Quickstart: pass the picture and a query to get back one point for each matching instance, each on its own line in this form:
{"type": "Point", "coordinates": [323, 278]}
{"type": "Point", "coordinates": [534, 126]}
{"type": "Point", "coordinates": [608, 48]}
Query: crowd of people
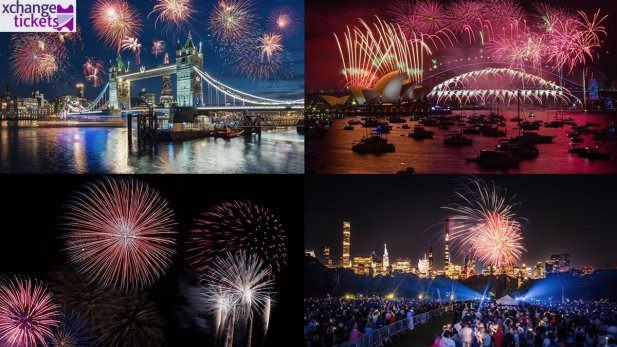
{"type": "Point", "coordinates": [330, 321]}
{"type": "Point", "coordinates": [539, 324]}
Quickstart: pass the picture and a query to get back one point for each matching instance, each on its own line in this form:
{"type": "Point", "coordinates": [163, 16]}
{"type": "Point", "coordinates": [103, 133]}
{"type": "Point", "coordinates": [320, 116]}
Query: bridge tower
{"type": "Point", "coordinates": [189, 85]}
{"type": "Point", "coordinates": [119, 91]}
{"type": "Point", "coordinates": [167, 96]}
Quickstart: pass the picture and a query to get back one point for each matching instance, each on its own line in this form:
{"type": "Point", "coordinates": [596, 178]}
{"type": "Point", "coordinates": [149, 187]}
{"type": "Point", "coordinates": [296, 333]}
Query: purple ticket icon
{"type": "Point", "coordinates": [66, 18]}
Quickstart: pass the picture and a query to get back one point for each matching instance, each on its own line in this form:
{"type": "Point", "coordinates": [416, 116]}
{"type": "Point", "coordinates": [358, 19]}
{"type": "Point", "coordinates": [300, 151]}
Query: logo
{"type": "Point", "coordinates": [38, 15]}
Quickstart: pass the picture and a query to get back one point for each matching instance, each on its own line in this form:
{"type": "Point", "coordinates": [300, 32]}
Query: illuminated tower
{"type": "Point", "coordinates": [119, 90]}
{"type": "Point", "coordinates": [80, 90]}
{"type": "Point", "coordinates": [189, 88]}
{"type": "Point", "coordinates": [385, 260]}
{"type": "Point", "coordinates": [346, 244]}
{"type": "Point", "coordinates": [167, 95]}
{"type": "Point", "coordinates": [446, 264]}
{"type": "Point", "coordinates": [326, 256]}
{"type": "Point", "coordinates": [431, 272]}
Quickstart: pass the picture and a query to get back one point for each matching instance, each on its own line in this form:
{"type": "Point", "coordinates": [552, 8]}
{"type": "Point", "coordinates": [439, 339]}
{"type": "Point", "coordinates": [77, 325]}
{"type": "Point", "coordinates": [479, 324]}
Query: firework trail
{"type": "Point", "coordinates": [283, 21]}
{"type": "Point", "coordinates": [175, 14]}
{"type": "Point", "coordinates": [232, 20]}
{"type": "Point", "coordinates": [221, 304]}
{"type": "Point", "coordinates": [120, 233]}
{"type": "Point", "coordinates": [482, 217]}
{"type": "Point", "coordinates": [132, 44]}
{"type": "Point", "coordinates": [37, 58]}
{"type": "Point", "coordinates": [73, 331]}
{"type": "Point", "coordinates": [270, 46]}
{"type": "Point", "coordinates": [234, 226]}
{"type": "Point", "coordinates": [468, 18]}
{"type": "Point", "coordinates": [369, 52]}
{"type": "Point", "coordinates": [93, 69]}
{"type": "Point", "coordinates": [115, 20]}
{"type": "Point", "coordinates": [158, 47]}
{"type": "Point", "coordinates": [27, 313]}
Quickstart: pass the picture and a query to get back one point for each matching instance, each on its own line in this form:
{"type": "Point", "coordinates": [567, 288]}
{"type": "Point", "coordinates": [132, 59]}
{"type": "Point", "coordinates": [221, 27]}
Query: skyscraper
{"type": "Point", "coordinates": [326, 256]}
{"type": "Point", "coordinates": [446, 264]}
{"type": "Point", "coordinates": [167, 96]}
{"type": "Point", "coordinates": [386, 261]}
{"type": "Point", "coordinates": [346, 244]}
{"type": "Point", "coordinates": [431, 271]}
{"type": "Point", "coordinates": [423, 267]}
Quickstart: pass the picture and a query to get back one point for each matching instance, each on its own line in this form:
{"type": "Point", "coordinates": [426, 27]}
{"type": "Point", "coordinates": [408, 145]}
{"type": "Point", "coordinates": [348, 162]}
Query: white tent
{"type": "Point", "coordinates": [507, 301]}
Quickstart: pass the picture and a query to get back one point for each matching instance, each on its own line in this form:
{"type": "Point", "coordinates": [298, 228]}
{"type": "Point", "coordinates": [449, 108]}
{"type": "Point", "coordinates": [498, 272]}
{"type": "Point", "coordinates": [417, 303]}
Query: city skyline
{"type": "Point", "coordinates": [554, 233]}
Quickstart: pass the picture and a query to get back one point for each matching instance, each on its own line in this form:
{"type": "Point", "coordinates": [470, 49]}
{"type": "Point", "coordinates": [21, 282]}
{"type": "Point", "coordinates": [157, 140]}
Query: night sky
{"type": "Point", "coordinates": [33, 247]}
{"type": "Point", "coordinates": [290, 89]}
{"type": "Point", "coordinates": [566, 214]}
{"type": "Point", "coordinates": [324, 18]}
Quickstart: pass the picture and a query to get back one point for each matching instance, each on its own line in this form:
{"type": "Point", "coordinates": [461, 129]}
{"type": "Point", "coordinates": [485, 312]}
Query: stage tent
{"type": "Point", "coordinates": [507, 301]}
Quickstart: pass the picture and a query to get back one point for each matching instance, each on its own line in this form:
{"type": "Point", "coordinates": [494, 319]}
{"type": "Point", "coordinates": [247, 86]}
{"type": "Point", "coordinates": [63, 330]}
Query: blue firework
{"type": "Point", "coordinates": [74, 331]}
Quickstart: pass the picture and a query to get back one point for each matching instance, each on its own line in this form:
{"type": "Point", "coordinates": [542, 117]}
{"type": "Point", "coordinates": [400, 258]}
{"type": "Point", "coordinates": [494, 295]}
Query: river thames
{"type": "Point", "coordinates": [29, 148]}
{"type": "Point", "coordinates": [332, 154]}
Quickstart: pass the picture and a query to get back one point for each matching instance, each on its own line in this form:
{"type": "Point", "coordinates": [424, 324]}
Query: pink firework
{"type": "Point", "coordinates": [158, 47]}
{"type": "Point", "coordinates": [232, 20]}
{"type": "Point", "coordinates": [174, 13]}
{"type": "Point", "coordinates": [120, 233]}
{"type": "Point", "coordinates": [270, 46]}
{"type": "Point", "coordinates": [503, 14]}
{"type": "Point", "coordinates": [93, 69]}
{"type": "Point", "coordinates": [428, 19]}
{"type": "Point", "coordinates": [27, 314]}
{"type": "Point", "coordinates": [37, 57]}
{"type": "Point", "coordinates": [115, 20]}
{"type": "Point", "coordinates": [283, 21]}
{"type": "Point", "coordinates": [498, 241]}
{"type": "Point", "coordinates": [132, 44]}
{"type": "Point", "coordinates": [518, 47]}
{"type": "Point", "coordinates": [469, 19]}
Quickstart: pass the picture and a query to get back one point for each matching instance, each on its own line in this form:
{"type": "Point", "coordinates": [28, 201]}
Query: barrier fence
{"type": "Point", "coordinates": [383, 335]}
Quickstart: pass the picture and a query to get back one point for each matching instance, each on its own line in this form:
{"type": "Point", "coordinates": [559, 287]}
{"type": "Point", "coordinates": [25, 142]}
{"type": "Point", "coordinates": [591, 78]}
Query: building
{"type": "Point", "coordinates": [423, 267]}
{"type": "Point", "coordinates": [558, 263]}
{"type": "Point", "coordinates": [148, 99]}
{"type": "Point", "coordinates": [189, 84]}
{"type": "Point", "coordinates": [327, 261]}
{"type": "Point", "coordinates": [431, 269]}
{"type": "Point", "coordinates": [80, 90]}
{"type": "Point", "coordinates": [167, 94]}
{"type": "Point", "coordinates": [8, 105]}
{"type": "Point", "coordinates": [539, 270]}
{"type": "Point", "coordinates": [446, 263]}
{"type": "Point", "coordinates": [469, 268]}
{"type": "Point", "coordinates": [346, 263]}
{"type": "Point", "coordinates": [309, 253]}
{"type": "Point", "coordinates": [401, 266]}
{"type": "Point", "coordinates": [363, 266]}
{"type": "Point", "coordinates": [587, 270]}
{"type": "Point", "coordinates": [386, 260]}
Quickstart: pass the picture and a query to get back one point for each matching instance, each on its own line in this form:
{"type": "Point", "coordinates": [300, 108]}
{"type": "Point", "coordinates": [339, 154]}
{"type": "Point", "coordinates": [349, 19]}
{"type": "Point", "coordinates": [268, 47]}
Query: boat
{"type": "Point", "coordinates": [576, 139]}
{"type": "Point", "coordinates": [575, 149]}
{"type": "Point", "coordinates": [444, 126]}
{"type": "Point", "coordinates": [405, 126]}
{"type": "Point", "coordinates": [348, 127]}
{"type": "Point", "coordinates": [382, 129]}
{"type": "Point", "coordinates": [496, 159]}
{"type": "Point", "coordinates": [354, 122]}
{"type": "Point", "coordinates": [554, 124]}
{"type": "Point", "coordinates": [492, 132]}
{"type": "Point", "coordinates": [396, 119]}
{"type": "Point", "coordinates": [371, 123]}
{"type": "Point", "coordinates": [408, 171]}
{"type": "Point", "coordinates": [227, 133]}
{"type": "Point", "coordinates": [531, 137]}
{"type": "Point", "coordinates": [372, 145]}
{"type": "Point", "coordinates": [471, 130]}
{"type": "Point", "coordinates": [430, 122]}
{"type": "Point", "coordinates": [530, 125]}
{"type": "Point", "coordinates": [594, 154]}
{"type": "Point", "coordinates": [516, 119]}
{"type": "Point", "coordinates": [419, 133]}
{"type": "Point", "coordinates": [523, 150]}
{"type": "Point", "coordinates": [457, 140]}
{"type": "Point", "coordinates": [605, 136]}
{"type": "Point", "coordinates": [532, 115]}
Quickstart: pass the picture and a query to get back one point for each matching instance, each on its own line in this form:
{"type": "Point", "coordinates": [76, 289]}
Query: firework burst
{"type": "Point", "coordinates": [484, 221]}
{"type": "Point", "coordinates": [37, 58]}
{"type": "Point", "coordinates": [132, 44]}
{"type": "Point", "coordinates": [158, 47]}
{"type": "Point", "coordinates": [73, 331]}
{"type": "Point", "coordinates": [232, 20]}
{"type": "Point", "coordinates": [120, 233]}
{"type": "Point", "coordinates": [93, 69]}
{"type": "Point", "coordinates": [27, 313]}
{"type": "Point", "coordinates": [270, 46]}
{"type": "Point", "coordinates": [282, 21]}
{"type": "Point", "coordinates": [175, 14]}
{"type": "Point", "coordinates": [425, 18]}
{"type": "Point", "coordinates": [234, 226]}
{"type": "Point", "coordinates": [115, 20]}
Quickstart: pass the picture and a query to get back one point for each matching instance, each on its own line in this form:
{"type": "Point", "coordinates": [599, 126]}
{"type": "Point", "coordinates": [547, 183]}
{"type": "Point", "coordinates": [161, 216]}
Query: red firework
{"type": "Point", "coordinates": [27, 313]}
{"type": "Point", "coordinates": [236, 226]}
{"type": "Point", "coordinates": [37, 57]}
{"type": "Point", "coordinates": [232, 20]}
{"type": "Point", "coordinates": [425, 18]}
{"type": "Point", "coordinates": [120, 233]}
{"type": "Point", "coordinates": [93, 69]}
{"type": "Point", "coordinates": [114, 20]}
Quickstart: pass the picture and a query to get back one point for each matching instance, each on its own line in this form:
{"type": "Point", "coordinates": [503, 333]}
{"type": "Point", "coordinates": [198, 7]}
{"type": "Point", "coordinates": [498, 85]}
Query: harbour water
{"type": "Point", "coordinates": [27, 147]}
{"type": "Point", "coordinates": [332, 153]}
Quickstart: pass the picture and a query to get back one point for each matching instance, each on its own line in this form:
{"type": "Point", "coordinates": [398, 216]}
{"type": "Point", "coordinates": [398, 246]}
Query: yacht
{"type": "Point", "coordinates": [419, 133]}
{"type": "Point", "coordinates": [457, 140]}
{"type": "Point", "coordinates": [373, 144]}
{"type": "Point", "coordinates": [496, 159]}
{"type": "Point", "coordinates": [531, 137]}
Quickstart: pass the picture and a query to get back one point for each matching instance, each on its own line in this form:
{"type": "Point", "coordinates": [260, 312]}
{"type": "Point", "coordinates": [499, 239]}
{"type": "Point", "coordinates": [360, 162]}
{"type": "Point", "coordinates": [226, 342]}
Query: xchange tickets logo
{"type": "Point", "coordinates": [37, 15]}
